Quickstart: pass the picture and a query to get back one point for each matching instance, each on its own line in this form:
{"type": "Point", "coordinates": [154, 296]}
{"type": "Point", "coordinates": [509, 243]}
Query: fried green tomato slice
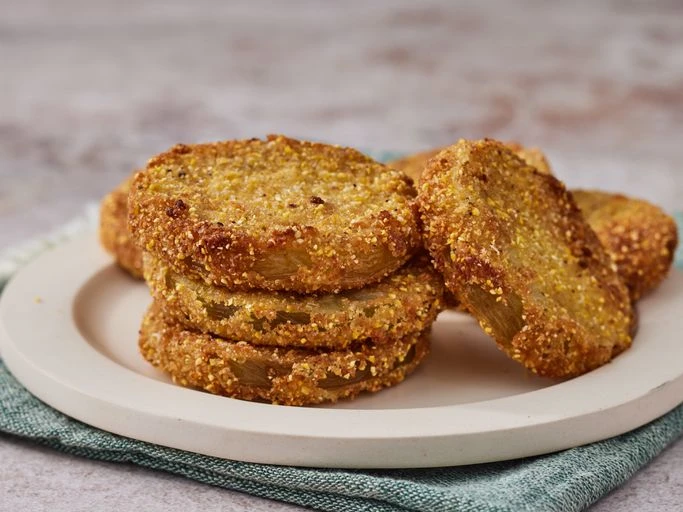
{"type": "Point", "coordinates": [403, 303]}
{"type": "Point", "coordinates": [275, 214]}
{"type": "Point", "coordinates": [113, 231]}
{"type": "Point", "coordinates": [280, 376]}
{"type": "Point", "coordinates": [515, 249]}
{"type": "Point", "coordinates": [412, 165]}
{"type": "Point", "coordinates": [639, 236]}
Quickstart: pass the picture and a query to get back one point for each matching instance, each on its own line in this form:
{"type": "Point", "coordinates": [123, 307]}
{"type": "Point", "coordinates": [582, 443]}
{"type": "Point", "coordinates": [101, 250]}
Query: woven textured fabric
{"type": "Point", "coordinates": [563, 481]}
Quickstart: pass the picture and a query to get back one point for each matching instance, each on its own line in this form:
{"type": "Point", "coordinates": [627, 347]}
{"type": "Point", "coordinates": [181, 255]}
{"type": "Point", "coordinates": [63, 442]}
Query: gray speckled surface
{"type": "Point", "coordinates": [89, 90]}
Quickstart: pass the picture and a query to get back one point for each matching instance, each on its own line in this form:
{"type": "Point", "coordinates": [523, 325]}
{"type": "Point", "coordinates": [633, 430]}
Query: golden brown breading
{"type": "Point", "coordinates": [639, 236]}
{"type": "Point", "coordinates": [278, 214]}
{"type": "Point", "coordinates": [531, 156]}
{"type": "Point", "coordinates": [515, 249]}
{"type": "Point", "coordinates": [114, 235]}
{"type": "Point", "coordinates": [403, 303]}
{"type": "Point", "coordinates": [280, 376]}
{"type": "Point", "coordinates": [413, 164]}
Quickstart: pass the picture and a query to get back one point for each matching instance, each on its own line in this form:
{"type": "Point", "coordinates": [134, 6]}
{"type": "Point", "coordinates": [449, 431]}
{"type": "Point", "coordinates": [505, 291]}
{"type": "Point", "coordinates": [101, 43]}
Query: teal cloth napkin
{"type": "Point", "coordinates": [565, 481]}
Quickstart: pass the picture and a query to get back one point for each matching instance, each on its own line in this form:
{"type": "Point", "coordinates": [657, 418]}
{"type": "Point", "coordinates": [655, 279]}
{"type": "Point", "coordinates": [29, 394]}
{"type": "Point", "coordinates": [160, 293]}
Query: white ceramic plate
{"type": "Point", "coordinates": [68, 332]}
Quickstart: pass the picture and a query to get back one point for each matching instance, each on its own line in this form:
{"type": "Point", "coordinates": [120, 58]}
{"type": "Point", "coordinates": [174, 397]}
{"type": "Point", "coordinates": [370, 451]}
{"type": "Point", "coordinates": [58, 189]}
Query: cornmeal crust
{"type": "Point", "coordinates": [514, 248]}
{"type": "Point", "coordinates": [412, 165]}
{"type": "Point", "coordinates": [403, 303]}
{"type": "Point", "coordinates": [274, 214]}
{"type": "Point", "coordinates": [276, 375]}
{"type": "Point", "coordinates": [113, 231]}
{"type": "Point", "coordinates": [639, 236]}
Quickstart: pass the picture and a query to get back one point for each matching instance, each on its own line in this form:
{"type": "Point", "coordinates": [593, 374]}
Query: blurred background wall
{"type": "Point", "coordinates": [90, 90]}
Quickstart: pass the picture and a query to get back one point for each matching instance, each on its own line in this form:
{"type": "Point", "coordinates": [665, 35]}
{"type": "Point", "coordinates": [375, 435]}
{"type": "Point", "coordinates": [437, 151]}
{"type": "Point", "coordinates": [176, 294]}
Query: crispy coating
{"type": "Point", "coordinates": [280, 376]}
{"type": "Point", "coordinates": [413, 164]}
{"type": "Point", "coordinates": [639, 236]}
{"type": "Point", "coordinates": [403, 303]}
{"type": "Point", "coordinates": [531, 156]}
{"type": "Point", "coordinates": [515, 249]}
{"type": "Point", "coordinates": [114, 235]}
{"type": "Point", "coordinates": [275, 214]}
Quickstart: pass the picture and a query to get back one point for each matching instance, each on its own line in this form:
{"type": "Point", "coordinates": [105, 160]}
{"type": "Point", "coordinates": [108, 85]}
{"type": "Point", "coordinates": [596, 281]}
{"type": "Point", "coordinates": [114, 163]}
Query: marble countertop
{"type": "Point", "coordinates": [90, 90]}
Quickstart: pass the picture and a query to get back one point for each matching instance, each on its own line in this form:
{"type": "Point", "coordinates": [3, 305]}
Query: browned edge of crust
{"type": "Point", "coordinates": [405, 302]}
{"type": "Point", "coordinates": [113, 230]}
{"type": "Point", "coordinates": [413, 164]}
{"type": "Point", "coordinates": [472, 241]}
{"type": "Point", "coordinates": [287, 377]}
{"type": "Point", "coordinates": [639, 236]}
{"type": "Point", "coordinates": [302, 258]}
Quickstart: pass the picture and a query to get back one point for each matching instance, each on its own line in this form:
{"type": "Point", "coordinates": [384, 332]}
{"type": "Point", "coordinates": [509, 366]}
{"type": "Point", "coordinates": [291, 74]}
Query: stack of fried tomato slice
{"type": "Point", "coordinates": [281, 270]}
